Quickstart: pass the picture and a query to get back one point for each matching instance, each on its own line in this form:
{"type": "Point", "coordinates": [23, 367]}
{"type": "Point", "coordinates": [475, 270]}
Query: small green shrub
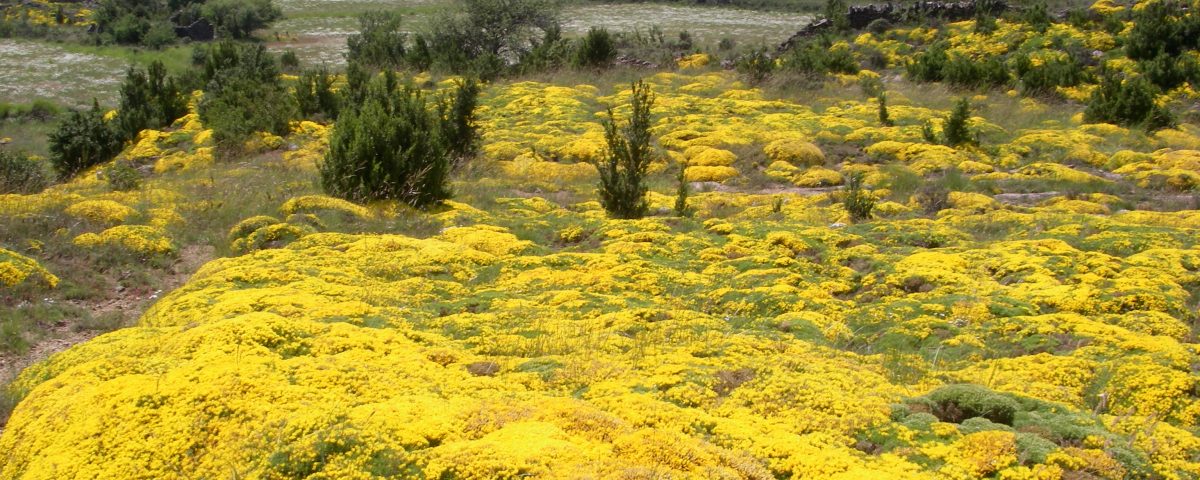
{"type": "Point", "coordinates": [20, 173]}
{"type": "Point", "coordinates": [596, 49]}
{"type": "Point", "coordinates": [958, 402]}
{"type": "Point", "coordinates": [816, 58]}
{"type": "Point", "coordinates": [122, 176]}
{"type": "Point", "coordinates": [82, 140]}
{"type": "Point", "coordinates": [1128, 102]}
{"type": "Point", "coordinates": [879, 26]}
{"type": "Point", "coordinates": [928, 65]}
{"type": "Point", "coordinates": [288, 60]}
{"type": "Point", "coordinates": [885, 119]}
{"type": "Point", "coordinates": [149, 99]}
{"type": "Point", "coordinates": [459, 126]}
{"type": "Point", "coordinates": [315, 97]}
{"type": "Point", "coordinates": [389, 147]}
{"type": "Point", "coordinates": [858, 202]}
{"type": "Point", "coordinates": [244, 95]}
{"type": "Point", "coordinates": [956, 130]}
{"type": "Point", "coordinates": [756, 65]}
{"type": "Point", "coordinates": [627, 157]}
{"type": "Point", "coordinates": [681, 192]}
{"type": "Point", "coordinates": [837, 12]}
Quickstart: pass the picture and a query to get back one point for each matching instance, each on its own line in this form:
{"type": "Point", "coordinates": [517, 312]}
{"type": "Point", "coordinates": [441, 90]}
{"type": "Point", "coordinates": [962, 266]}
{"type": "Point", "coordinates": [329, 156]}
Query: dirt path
{"type": "Point", "coordinates": [128, 304]}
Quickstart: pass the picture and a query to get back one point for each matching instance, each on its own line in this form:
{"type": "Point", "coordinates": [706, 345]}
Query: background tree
{"type": "Point", "coordinates": [627, 157]}
{"type": "Point", "coordinates": [379, 42]}
{"type": "Point", "coordinates": [486, 35]}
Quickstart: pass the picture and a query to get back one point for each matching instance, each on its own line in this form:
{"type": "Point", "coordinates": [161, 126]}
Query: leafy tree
{"type": "Point", "coordinates": [927, 66]}
{"type": "Point", "coordinates": [596, 49]}
{"type": "Point", "coordinates": [379, 42]}
{"type": "Point", "coordinates": [82, 140]}
{"type": "Point", "coordinates": [389, 147]}
{"type": "Point", "coordinates": [627, 157]}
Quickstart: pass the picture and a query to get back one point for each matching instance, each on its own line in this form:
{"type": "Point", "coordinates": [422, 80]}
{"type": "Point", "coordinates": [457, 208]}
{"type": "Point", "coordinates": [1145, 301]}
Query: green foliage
{"type": "Point", "coordinates": [681, 192]}
{"type": "Point", "coordinates": [484, 36]}
{"type": "Point", "coordinates": [955, 130]}
{"type": "Point", "coordinates": [756, 65]}
{"type": "Point", "coordinates": [1170, 71]}
{"type": "Point", "coordinates": [596, 49]}
{"type": "Point", "coordinates": [40, 110]}
{"type": "Point", "coordinates": [1162, 27]}
{"type": "Point", "coordinates": [379, 43]}
{"type": "Point", "coordinates": [1038, 16]}
{"type": "Point", "coordinates": [927, 66]}
{"type": "Point", "coordinates": [837, 12]}
{"type": "Point", "coordinates": [149, 99]}
{"type": "Point", "coordinates": [552, 53]}
{"type": "Point", "coordinates": [927, 132]}
{"type": "Point", "coordinates": [459, 125]}
{"type": "Point", "coordinates": [239, 18]}
{"type": "Point", "coordinates": [390, 146]}
{"type": "Point", "coordinates": [858, 202]}
{"type": "Point", "coordinates": [152, 23]}
{"type": "Point", "coordinates": [627, 157]}
{"type": "Point", "coordinates": [20, 173]}
{"type": "Point", "coordinates": [1129, 102]}
{"type": "Point", "coordinates": [288, 60]}
{"type": "Point", "coordinates": [315, 97]}
{"type": "Point", "coordinates": [965, 72]}
{"type": "Point", "coordinates": [82, 140]}
{"type": "Point", "coordinates": [885, 120]}
{"type": "Point", "coordinates": [958, 402]}
{"type": "Point", "coordinates": [244, 94]}
{"type": "Point", "coordinates": [1052, 73]}
{"type": "Point", "coordinates": [122, 176]}
{"type": "Point", "coordinates": [816, 58]}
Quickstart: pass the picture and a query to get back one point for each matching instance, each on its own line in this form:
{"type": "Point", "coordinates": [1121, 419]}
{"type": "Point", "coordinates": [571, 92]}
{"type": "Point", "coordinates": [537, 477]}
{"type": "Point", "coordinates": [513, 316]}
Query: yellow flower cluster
{"type": "Point", "coordinates": [138, 239]}
{"type": "Point", "coordinates": [16, 269]}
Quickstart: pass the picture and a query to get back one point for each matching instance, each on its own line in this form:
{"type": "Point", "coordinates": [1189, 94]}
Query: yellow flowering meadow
{"type": "Point", "coordinates": [520, 332]}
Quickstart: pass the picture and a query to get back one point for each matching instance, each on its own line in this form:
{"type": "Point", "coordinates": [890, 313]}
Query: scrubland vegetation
{"type": "Point", "coordinates": [488, 249]}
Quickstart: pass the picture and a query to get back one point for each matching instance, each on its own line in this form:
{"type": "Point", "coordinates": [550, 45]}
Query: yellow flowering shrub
{"type": "Point", "coordinates": [136, 239]}
{"type": "Point", "coordinates": [16, 269]}
{"type": "Point", "coordinates": [104, 212]}
{"type": "Point", "coordinates": [795, 152]}
{"type": "Point", "coordinates": [710, 173]}
{"type": "Point", "coordinates": [319, 203]}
